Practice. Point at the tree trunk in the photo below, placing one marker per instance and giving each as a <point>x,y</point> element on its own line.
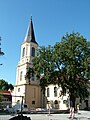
<point>72,101</point>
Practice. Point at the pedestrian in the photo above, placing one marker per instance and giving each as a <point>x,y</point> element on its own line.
<point>78,108</point>
<point>49,109</point>
<point>72,112</point>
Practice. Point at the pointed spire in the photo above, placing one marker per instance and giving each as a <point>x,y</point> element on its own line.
<point>30,37</point>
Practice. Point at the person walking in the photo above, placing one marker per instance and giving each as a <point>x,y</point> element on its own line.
<point>72,112</point>
<point>78,108</point>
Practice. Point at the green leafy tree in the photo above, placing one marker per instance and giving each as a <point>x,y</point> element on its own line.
<point>67,64</point>
<point>44,66</point>
<point>5,86</point>
<point>73,52</point>
<point>29,74</point>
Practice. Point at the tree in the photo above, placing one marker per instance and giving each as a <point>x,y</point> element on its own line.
<point>5,86</point>
<point>67,64</point>
<point>41,66</point>
<point>29,74</point>
<point>73,52</point>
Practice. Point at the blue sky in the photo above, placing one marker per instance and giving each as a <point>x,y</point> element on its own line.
<point>51,20</point>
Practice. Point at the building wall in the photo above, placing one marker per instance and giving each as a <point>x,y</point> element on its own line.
<point>17,93</point>
<point>63,101</point>
<point>56,102</point>
<point>21,68</point>
<point>31,92</point>
<point>33,96</point>
<point>5,99</point>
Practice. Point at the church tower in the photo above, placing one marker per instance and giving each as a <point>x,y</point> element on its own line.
<point>31,92</point>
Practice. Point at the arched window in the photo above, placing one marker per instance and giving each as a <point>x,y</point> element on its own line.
<point>21,74</point>
<point>33,52</point>
<point>18,89</point>
<point>48,92</point>
<point>56,102</point>
<point>23,52</point>
<point>55,91</point>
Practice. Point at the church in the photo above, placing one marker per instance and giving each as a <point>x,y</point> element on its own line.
<point>30,93</point>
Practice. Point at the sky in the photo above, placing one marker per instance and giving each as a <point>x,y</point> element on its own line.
<point>51,20</point>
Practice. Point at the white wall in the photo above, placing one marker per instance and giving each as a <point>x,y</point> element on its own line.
<point>16,95</point>
<point>61,105</point>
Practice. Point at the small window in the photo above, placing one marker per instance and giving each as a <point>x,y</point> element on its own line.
<point>33,102</point>
<point>34,94</point>
<point>21,73</point>
<point>18,89</point>
<point>55,91</point>
<point>33,51</point>
<point>64,101</point>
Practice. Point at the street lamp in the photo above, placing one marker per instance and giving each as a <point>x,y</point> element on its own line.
<point>1,53</point>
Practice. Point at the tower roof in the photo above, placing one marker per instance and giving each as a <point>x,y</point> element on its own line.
<point>30,37</point>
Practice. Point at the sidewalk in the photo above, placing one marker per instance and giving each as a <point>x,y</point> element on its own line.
<point>85,115</point>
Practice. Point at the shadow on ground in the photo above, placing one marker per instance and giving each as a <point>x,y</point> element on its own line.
<point>19,117</point>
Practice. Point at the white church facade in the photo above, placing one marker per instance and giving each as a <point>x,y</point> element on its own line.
<point>31,92</point>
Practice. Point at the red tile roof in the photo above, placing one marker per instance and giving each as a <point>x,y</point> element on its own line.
<point>4,92</point>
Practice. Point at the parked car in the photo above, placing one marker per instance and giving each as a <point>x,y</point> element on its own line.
<point>17,108</point>
<point>10,109</point>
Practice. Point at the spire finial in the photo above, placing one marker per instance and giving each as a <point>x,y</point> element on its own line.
<point>31,18</point>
